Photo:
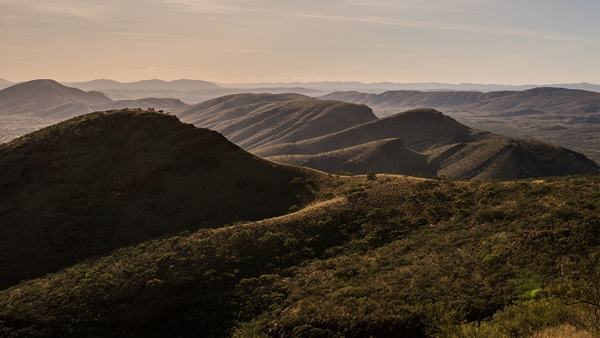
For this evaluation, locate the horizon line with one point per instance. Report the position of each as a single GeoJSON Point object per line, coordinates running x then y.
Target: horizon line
{"type": "Point", "coordinates": [318, 82]}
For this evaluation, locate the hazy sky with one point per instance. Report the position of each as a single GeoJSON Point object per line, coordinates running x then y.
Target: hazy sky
{"type": "Point", "coordinates": [455, 41]}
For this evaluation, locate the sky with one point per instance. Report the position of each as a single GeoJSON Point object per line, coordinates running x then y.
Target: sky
{"type": "Point", "coordinates": [248, 41]}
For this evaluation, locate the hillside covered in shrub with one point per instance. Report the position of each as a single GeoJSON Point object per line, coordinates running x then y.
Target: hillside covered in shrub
{"type": "Point", "coordinates": [287, 252]}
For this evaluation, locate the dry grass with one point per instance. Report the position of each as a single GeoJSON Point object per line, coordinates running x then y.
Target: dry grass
{"type": "Point", "coordinates": [565, 331]}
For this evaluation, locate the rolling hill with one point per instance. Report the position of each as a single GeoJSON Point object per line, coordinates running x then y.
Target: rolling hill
{"type": "Point", "coordinates": [419, 129]}
{"type": "Point", "coordinates": [332, 136]}
{"type": "Point", "coordinates": [106, 180]}
{"type": "Point", "coordinates": [257, 120]}
{"type": "Point", "coordinates": [337, 136]}
{"type": "Point", "coordinates": [422, 86]}
{"type": "Point", "coordinates": [49, 99]}
{"type": "Point", "coordinates": [566, 117]}
{"type": "Point", "coordinates": [430, 145]}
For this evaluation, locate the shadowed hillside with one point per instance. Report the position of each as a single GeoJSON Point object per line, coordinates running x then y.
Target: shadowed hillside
{"type": "Point", "coordinates": [419, 129]}
{"type": "Point", "coordinates": [110, 179]}
{"type": "Point", "coordinates": [257, 120]}
{"type": "Point", "coordinates": [376, 256]}
{"type": "Point", "coordinates": [444, 146]}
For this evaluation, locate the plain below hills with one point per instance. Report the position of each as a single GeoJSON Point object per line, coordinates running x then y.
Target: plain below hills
{"type": "Point", "coordinates": [105, 180]}
{"type": "Point", "coordinates": [341, 137]}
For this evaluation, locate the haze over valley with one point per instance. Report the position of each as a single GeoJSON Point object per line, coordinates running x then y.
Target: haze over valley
{"type": "Point", "coordinates": [564, 117]}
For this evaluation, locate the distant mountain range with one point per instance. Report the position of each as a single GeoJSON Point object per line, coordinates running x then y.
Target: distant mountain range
{"type": "Point", "coordinates": [332, 135]}
{"type": "Point", "coordinates": [424, 86]}
{"type": "Point", "coordinates": [177, 85]}
{"type": "Point", "coordinates": [337, 137]}
{"type": "Point", "coordinates": [325, 86]}
{"type": "Point", "coordinates": [52, 100]}
{"type": "Point", "coordinates": [543, 100]}
{"type": "Point", "coordinates": [567, 117]}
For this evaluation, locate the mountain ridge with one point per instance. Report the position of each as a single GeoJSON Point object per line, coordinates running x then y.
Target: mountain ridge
{"type": "Point", "coordinates": [445, 147]}
{"type": "Point", "coordinates": [565, 117]}
{"type": "Point", "coordinates": [378, 87]}
{"type": "Point", "coordinates": [154, 84]}
{"type": "Point", "coordinates": [540, 98]}
{"type": "Point", "coordinates": [255, 120]}
{"type": "Point", "coordinates": [50, 99]}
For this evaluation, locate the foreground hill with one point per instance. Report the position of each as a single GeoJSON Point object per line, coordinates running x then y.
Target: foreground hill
{"type": "Point", "coordinates": [377, 256]}
{"type": "Point", "coordinates": [49, 99]}
{"type": "Point", "coordinates": [105, 180]}
{"type": "Point", "coordinates": [258, 120]}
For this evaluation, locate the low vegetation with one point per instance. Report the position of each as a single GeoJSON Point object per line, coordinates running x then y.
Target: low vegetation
{"type": "Point", "coordinates": [387, 257]}
{"type": "Point", "coordinates": [105, 180]}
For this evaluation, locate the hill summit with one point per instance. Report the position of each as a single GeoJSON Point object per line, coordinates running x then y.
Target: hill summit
{"type": "Point", "coordinates": [104, 180]}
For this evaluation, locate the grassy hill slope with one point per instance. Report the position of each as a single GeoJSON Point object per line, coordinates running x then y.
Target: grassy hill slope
{"type": "Point", "coordinates": [376, 156]}
{"type": "Point", "coordinates": [419, 130]}
{"type": "Point", "coordinates": [257, 120]}
{"type": "Point", "coordinates": [444, 146]}
{"type": "Point", "coordinates": [373, 257]}
{"type": "Point", "coordinates": [105, 180]}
